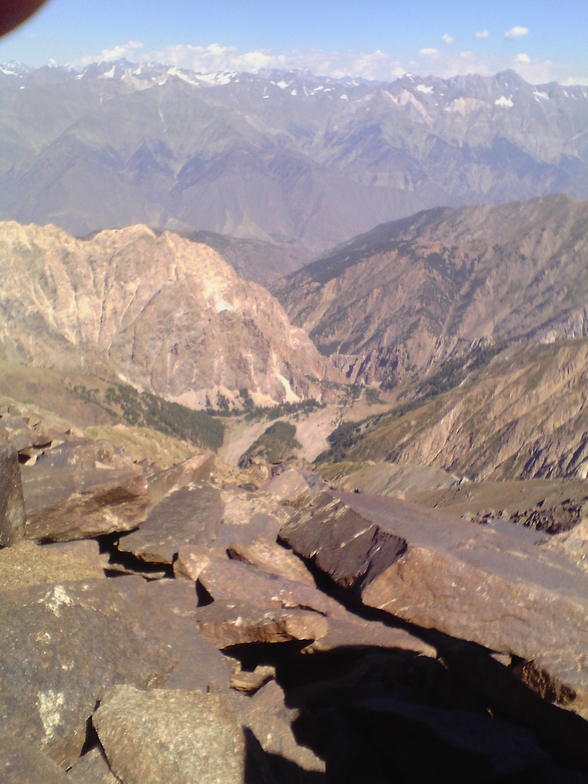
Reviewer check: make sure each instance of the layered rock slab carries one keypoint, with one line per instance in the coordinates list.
(190, 515)
(174, 736)
(476, 584)
(61, 647)
(171, 607)
(82, 489)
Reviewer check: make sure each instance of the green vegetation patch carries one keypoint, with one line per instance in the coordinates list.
(276, 444)
(142, 409)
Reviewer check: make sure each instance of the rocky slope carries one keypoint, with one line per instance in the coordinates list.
(162, 313)
(242, 642)
(287, 154)
(524, 415)
(411, 294)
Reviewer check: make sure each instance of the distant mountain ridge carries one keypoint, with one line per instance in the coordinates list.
(408, 296)
(277, 154)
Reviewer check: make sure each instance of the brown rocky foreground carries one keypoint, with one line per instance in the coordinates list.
(187, 624)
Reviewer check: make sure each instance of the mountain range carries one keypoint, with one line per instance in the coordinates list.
(276, 155)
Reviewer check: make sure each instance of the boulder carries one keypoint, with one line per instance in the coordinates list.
(236, 623)
(289, 488)
(171, 607)
(162, 483)
(270, 557)
(190, 515)
(27, 563)
(12, 512)
(267, 716)
(61, 647)
(83, 489)
(452, 575)
(191, 561)
(232, 580)
(92, 768)
(178, 736)
(22, 764)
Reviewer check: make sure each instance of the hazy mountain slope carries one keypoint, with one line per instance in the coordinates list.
(524, 415)
(411, 294)
(163, 313)
(252, 259)
(316, 159)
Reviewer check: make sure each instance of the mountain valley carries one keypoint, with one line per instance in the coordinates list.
(293, 428)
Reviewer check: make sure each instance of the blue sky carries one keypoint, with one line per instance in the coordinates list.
(543, 39)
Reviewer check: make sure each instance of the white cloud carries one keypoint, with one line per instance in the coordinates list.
(522, 58)
(483, 34)
(448, 39)
(128, 50)
(429, 51)
(516, 32)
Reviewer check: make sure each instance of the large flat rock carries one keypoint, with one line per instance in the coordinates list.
(21, 764)
(12, 513)
(234, 580)
(61, 647)
(470, 581)
(27, 563)
(171, 607)
(171, 736)
(82, 489)
(191, 515)
(268, 556)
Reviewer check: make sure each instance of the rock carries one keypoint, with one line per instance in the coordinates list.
(270, 720)
(271, 558)
(21, 435)
(171, 607)
(354, 632)
(259, 524)
(572, 544)
(12, 513)
(190, 515)
(451, 575)
(27, 563)
(234, 581)
(170, 736)
(92, 768)
(22, 764)
(289, 488)
(191, 561)
(234, 623)
(241, 506)
(61, 647)
(83, 489)
(165, 482)
(425, 743)
(250, 682)
(562, 732)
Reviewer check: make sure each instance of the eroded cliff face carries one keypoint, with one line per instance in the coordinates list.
(412, 294)
(523, 416)
(162, 313)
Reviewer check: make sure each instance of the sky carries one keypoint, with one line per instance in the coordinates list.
(543, 40)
